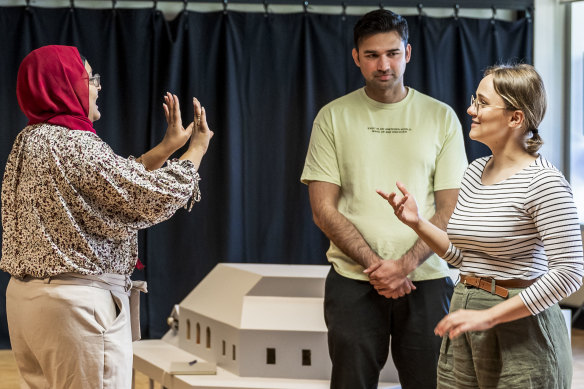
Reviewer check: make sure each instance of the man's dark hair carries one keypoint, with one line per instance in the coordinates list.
(380, 21)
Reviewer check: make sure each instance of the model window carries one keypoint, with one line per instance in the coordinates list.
(271, 356)
(223, 343)
(233, 352)
(208, 337)
(306, 358)
(198, 333)
(188, 329)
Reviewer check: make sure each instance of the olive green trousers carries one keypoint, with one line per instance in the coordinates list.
(533, 352)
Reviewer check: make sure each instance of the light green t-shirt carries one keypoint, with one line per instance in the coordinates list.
(362, 145)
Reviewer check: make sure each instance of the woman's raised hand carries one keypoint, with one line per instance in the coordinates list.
(201, 134)
(176, 135)
(404, 208)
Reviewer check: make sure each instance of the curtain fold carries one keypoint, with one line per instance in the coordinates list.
(262, 80)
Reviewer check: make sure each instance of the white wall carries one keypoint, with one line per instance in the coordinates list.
(576, 104)
(550, 50)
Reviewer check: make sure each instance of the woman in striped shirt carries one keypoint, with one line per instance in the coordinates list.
(515, 236)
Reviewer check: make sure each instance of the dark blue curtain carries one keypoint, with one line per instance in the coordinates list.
(262, 79)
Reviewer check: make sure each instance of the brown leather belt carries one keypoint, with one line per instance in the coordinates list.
(498, 287)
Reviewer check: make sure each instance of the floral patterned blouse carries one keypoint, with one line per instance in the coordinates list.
(70, 204)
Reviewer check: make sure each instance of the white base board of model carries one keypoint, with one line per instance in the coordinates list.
(154, 358)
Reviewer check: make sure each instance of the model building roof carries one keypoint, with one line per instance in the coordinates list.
(262, 297)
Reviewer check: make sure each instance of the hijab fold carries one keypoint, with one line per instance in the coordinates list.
(53, 87)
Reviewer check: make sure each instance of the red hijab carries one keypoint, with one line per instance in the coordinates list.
(53, 87)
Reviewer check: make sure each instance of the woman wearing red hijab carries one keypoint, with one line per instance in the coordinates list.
(71, 209)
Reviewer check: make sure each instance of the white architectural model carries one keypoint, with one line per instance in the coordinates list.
(258, 320)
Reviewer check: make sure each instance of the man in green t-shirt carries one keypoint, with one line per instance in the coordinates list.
(360, 142)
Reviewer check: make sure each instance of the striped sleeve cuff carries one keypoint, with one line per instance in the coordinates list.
(453, 255)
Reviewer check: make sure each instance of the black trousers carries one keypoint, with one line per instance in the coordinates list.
(361, 324)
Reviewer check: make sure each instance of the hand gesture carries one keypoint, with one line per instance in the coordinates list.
(201, 134)
(404, 208)
(389, 279)
(464, 320)
(176, 135)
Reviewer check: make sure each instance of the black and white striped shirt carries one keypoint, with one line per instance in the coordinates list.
(525, 227)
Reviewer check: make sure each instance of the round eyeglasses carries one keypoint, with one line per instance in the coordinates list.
(475, 102)
(95, 80)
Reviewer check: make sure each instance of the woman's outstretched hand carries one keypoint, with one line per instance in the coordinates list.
(201, 134)
(176, 135)
(405, 208)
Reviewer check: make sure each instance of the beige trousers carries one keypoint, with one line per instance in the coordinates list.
(69, 336)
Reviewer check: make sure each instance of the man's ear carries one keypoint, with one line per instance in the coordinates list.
(408, 53)
(355, 54)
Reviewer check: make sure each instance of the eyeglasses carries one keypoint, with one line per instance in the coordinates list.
(95, 80)
(477, 105)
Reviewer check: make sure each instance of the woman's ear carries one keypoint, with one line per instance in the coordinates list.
(516, 119)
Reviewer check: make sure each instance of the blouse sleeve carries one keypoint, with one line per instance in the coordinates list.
(121, 188)
(549, 201)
